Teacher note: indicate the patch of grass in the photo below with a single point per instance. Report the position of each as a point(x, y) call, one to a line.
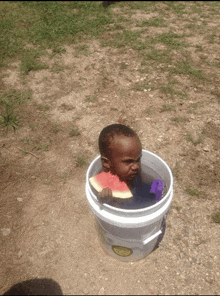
point(15, 97)
point(193, 107)
point(195, 142)
point(48, 24)
point(56, 68)
point(176, 170)
point(57, 49)
point(171, 40)
point(66, 107)
point(74, 132)
point(176, 119)
point(42, 107)
point(154, 22)
point(191, 26)
point(216, 217)
point(178, 208)
point(26, 140)
point(8, 117)
point(123, 66)
point(145, 70)
point(168, 89)
point(44, 78)
point(42, 146)
point(82, 49)
point(76, 118)
point(80, 161)
point(55, 128)
point(186, 68)
point(167, 108)
point(199, 47)
point(91, 99)
point(176, 7)
point(203, 57)
point(211, 37)
point(179, 119)
point(33, 127)
point(8, 104)
point(149, 111)
point(142, 86)
point(64, 175)
point(30, 61)
point(48, 182)
point(158, 55)
point(126, 38)
point(192, 192)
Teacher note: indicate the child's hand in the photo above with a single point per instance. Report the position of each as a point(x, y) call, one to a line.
point(105, 196)
point(105, 193)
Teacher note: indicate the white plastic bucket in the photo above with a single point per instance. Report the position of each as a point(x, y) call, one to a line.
point(131, 234)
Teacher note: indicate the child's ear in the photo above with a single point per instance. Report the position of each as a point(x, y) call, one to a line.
point(106, 162)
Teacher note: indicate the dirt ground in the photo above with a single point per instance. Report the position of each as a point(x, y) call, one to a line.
point(47, 228)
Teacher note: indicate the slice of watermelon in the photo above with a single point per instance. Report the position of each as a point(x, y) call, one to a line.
point(103, 180)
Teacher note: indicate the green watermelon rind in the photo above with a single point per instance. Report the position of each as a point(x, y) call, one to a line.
point(112, 180)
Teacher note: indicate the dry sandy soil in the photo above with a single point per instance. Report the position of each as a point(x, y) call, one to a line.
point(46, 226)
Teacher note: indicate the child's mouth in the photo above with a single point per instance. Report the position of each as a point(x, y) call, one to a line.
point(131, 177)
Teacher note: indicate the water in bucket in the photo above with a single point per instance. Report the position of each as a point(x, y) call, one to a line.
point(140, 190)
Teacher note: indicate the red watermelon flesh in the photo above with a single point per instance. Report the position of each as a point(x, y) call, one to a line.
point(103, 180)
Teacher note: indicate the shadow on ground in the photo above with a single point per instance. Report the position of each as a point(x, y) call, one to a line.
point(35, 287)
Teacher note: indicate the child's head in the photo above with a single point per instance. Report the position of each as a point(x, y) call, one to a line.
point(120, 150)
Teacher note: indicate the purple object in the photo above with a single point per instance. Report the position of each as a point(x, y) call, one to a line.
point(157, 188)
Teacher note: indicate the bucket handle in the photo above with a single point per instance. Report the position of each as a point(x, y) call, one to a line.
point(147, 240)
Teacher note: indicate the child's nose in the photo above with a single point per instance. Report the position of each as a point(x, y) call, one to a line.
point(135, 166)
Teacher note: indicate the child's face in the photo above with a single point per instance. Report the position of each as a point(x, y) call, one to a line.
point(126, 156)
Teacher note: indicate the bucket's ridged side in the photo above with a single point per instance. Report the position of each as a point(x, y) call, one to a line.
point(130, 235)
point(132, 250)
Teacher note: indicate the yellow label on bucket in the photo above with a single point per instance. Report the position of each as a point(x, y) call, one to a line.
point(122, 251)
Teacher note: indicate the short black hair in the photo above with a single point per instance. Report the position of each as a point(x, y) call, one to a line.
point(107, 135)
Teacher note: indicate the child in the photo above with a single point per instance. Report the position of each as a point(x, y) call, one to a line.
point(121, 152)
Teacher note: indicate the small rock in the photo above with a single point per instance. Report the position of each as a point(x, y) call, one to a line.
point(206, 149)
point(101, 291)
point(20, 199)
point(20, 254)
point(209, 120)
point(33, 177)
point(175, 211)
point(194, 259)
point(5, 231)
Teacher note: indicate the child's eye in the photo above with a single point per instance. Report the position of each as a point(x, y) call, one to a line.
point(129, 161)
